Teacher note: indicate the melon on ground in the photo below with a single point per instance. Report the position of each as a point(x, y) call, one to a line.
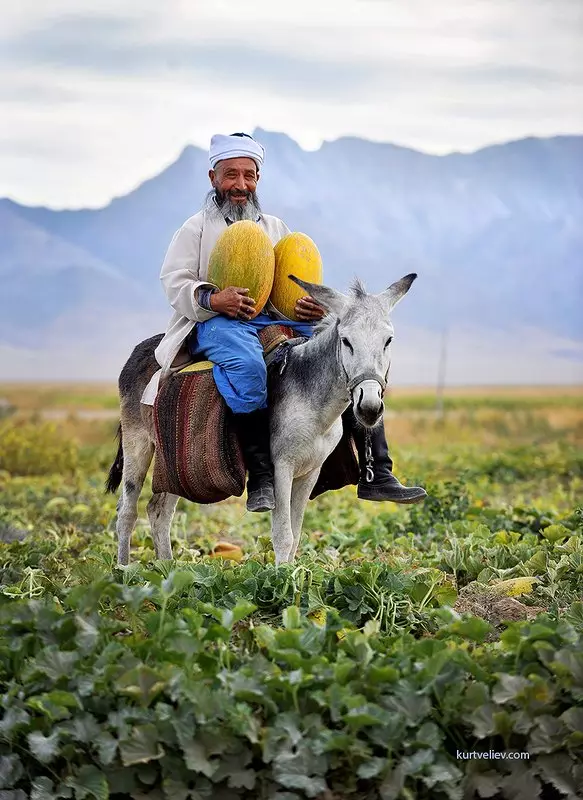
point(295, 254)
point(243, 256)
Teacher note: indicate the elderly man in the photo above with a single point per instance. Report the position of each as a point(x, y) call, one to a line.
point(216, 324)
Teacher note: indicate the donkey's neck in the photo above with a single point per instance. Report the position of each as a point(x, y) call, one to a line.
point(317, 373)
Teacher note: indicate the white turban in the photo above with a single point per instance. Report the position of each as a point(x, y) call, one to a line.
point(235, 147)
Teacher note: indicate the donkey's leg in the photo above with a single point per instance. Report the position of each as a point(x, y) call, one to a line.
point(160, 512)
point(301, 491)
point(138, 450)
point(281, 529)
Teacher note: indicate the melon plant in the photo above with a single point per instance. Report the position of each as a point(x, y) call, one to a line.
point(243, 256)
point(295, 254)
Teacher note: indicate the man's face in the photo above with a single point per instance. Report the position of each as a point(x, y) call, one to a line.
point(235, 179)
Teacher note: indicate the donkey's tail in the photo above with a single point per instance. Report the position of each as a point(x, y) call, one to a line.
point(116, 471)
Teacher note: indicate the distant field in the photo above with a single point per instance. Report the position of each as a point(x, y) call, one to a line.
point(100, 396)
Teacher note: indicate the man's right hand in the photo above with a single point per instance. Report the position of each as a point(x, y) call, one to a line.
point(233, 302)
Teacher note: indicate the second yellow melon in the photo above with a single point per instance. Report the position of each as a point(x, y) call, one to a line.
point(295, 254)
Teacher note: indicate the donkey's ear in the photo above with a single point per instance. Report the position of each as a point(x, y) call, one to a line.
point(397, 291)
point(333, 301)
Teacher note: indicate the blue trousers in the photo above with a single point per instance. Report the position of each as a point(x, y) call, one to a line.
point(234, 347)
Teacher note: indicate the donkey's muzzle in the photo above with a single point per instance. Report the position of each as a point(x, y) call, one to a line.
point(367, 403)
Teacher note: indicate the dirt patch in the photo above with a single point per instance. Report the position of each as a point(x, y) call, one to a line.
point(496, 610)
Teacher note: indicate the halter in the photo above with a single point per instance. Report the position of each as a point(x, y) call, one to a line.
point(366, 376)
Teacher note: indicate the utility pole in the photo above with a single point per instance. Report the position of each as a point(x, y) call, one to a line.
point(441, 374)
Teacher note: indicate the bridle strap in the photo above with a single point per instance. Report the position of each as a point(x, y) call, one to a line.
point(367, 376)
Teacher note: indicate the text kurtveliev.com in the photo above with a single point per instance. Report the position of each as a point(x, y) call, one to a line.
point(491, 754)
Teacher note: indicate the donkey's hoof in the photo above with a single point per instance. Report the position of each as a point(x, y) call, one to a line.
point(262, 499)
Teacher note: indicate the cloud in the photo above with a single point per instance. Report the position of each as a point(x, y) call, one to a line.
point(93, 102)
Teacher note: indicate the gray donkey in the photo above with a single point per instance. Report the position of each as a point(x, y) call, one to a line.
point(346, 361)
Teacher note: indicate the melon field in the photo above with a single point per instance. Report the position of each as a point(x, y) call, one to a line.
point(410, 653)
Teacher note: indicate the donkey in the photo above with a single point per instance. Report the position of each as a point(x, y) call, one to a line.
point(345, 362)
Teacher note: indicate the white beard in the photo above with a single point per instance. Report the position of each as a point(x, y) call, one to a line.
point(233, 211)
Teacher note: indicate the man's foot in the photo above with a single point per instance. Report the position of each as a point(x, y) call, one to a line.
point(261, 498)
point(377, 481)
point(390, 488)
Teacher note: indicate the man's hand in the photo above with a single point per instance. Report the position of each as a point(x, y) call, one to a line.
point(233, 302)
point(307, 310)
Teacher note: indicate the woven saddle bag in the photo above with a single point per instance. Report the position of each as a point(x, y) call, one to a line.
point(198, 455)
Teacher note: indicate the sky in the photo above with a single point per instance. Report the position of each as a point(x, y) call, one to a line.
point(95, 97)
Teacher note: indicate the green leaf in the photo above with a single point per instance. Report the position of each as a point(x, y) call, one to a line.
point(482, 720)
point(176, 582)
point(196, 758)
point(89, 784)
point(242, 779)
point(242, 610)
point(88, 634)
point(42, 789)
point(45, 748)
point(10, 771)
point(521, 784)
point(549, 733)
point(13, 720)
point(556, 769)
point(554, 533)
point(416, 763)
point(292, 618)
point(509, 687)
point(381, 675)
point(366, 715)
point(446, 775)
point(311, 786)
point(52, 663)
point(487, 784)
point(371, 768)
point(573, 718)
point(390, 788)
point(143, 683)
point(429, 734)
point(474, 628)
point(54, 705)
point(106, 746)
point(141, 746)
point(84, 728)
point(175, 789)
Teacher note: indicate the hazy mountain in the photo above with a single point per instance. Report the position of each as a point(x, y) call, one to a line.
point(496, 237)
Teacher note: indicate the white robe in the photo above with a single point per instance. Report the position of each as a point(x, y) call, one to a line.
point(184, 270)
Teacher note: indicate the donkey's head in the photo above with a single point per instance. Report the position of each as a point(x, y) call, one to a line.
point(364, 332)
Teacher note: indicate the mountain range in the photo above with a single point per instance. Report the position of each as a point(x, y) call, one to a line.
point(496, 237)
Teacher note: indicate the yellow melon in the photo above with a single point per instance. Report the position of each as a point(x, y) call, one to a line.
point(295, 254)
point(243, 256)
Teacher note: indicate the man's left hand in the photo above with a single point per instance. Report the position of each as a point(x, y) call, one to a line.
point(307, 310)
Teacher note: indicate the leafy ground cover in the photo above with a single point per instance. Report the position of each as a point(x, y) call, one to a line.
point(402, 639)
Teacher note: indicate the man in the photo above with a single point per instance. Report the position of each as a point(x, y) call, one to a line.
point(216, 324)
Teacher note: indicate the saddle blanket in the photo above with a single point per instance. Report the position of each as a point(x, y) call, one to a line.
point(204, 463)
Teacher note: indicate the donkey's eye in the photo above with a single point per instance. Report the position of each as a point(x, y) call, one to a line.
point(389, 340)
point(346, 343)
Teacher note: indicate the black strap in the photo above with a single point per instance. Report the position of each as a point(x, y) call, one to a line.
point(281, 352)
